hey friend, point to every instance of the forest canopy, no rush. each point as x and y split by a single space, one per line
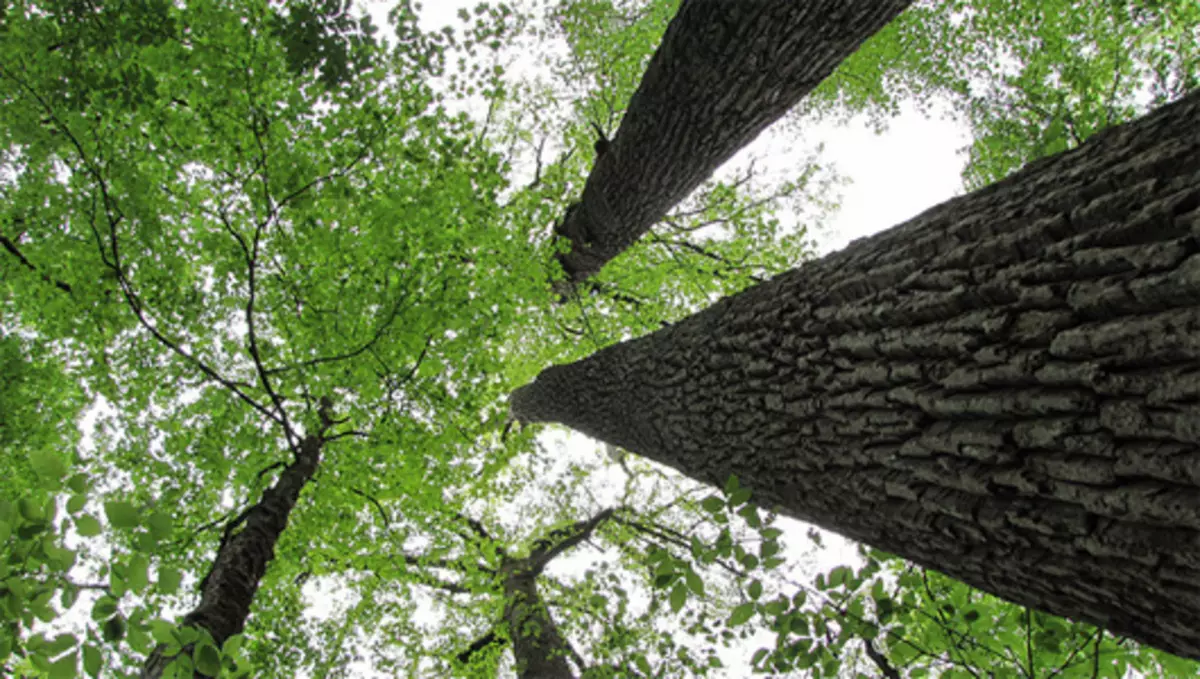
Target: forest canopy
270 271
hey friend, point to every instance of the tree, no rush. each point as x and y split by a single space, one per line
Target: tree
220 240
762 56
169 239
998 389
219 214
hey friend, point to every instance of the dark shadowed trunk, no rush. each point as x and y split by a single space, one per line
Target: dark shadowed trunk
539 651
723 73
247 547
1005 388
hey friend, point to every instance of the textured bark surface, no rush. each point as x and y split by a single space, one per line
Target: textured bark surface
723 73
1005 388
228 590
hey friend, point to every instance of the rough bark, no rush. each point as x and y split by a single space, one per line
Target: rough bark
227 592
1005 388
723 73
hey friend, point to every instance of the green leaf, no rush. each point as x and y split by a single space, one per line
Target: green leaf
162 631
694 582
113 629
93 660
755 589
768 549
643 664
121 514
739 497
741 614
61 643
78 484
87 526
137 574
208 659
66 667
233 645
679 595
168 580
731 484
712 504
138 637
161 525
76 503
49 465
104 608
70 594
838 576
29 510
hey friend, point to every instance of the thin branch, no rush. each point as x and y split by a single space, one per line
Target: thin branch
1028 642
387 519
353 353
1067 662
16 252
114 217
881 662
562 539
478 645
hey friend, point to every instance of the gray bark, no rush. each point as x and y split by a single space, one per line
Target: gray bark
723 73
227 592
1005 388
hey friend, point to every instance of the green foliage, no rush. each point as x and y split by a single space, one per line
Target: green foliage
888 614
217 214
1030 78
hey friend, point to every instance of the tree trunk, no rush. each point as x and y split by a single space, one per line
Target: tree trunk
723 73
228 590
538 648
1005 388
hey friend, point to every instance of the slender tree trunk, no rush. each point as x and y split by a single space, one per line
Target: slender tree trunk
1005 388
538 648
228 590
540 651
723 73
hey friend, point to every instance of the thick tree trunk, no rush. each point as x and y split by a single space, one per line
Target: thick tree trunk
228 590
724 72
1005 388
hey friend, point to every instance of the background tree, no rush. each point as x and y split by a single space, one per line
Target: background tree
1030 79
215 238
763 56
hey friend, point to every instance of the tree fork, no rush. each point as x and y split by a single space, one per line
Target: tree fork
1005 388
